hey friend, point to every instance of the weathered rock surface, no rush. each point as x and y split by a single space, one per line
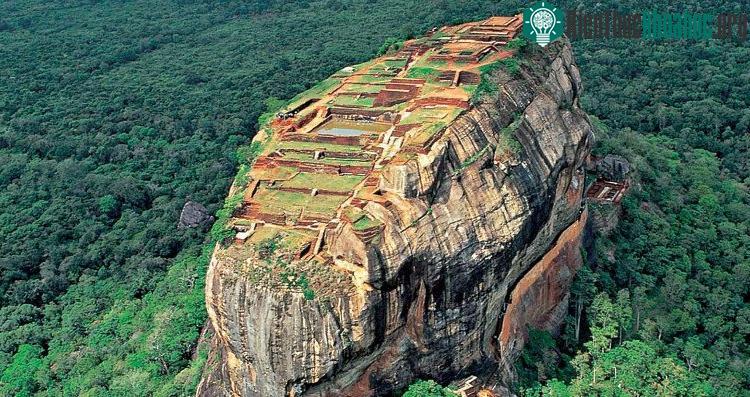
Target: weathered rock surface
613 167
540 298
193 215
463 231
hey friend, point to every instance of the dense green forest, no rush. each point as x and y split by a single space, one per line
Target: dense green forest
113 114
666 292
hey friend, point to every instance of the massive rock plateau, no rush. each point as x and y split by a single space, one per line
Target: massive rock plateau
479 241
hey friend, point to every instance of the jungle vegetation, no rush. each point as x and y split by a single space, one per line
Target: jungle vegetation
114 113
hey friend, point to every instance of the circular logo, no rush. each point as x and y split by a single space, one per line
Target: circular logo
543 23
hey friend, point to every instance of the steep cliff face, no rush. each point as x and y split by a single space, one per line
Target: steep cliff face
479 238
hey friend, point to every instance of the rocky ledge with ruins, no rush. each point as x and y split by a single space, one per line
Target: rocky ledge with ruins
409 217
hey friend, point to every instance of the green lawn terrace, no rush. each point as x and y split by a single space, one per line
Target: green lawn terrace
301 179
322 155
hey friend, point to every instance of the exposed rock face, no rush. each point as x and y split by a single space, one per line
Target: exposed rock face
194 214
540 298
466 226
613 167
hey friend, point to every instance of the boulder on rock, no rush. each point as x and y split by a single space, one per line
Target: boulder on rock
613 168
193 215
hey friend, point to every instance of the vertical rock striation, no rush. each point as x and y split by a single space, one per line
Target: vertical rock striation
481 239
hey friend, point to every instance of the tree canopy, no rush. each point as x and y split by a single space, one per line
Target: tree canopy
113 114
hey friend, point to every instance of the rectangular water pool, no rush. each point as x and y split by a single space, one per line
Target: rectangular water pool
350 128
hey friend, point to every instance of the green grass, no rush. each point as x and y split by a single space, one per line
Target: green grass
363 88
427 132
324 204
278 202
511 65
263 234
425 61
470 89
326 160
517 43
241 222
329 147
431 115
381 67
315 91
273 105
395 63
509 140
338 183
438 34
420 72
367 127
469 161
365 222
347 100
485 85
368 78
275 173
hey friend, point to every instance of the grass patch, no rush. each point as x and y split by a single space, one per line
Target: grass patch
509 141
338 183
473 158
365 222
426 133
371 78
268 240
439 34
279 202
326 160
423 72
324 205
275 173
363 88
486 86
395 63
315 91
328 147
348 100
437 63
263 233
364 126
519 43
431 115
511 65
272 106
220 232
470 89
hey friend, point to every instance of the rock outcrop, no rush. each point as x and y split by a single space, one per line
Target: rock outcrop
193 215
613 167
480 239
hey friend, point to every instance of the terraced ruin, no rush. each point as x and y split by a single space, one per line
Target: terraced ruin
323 155
405 218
